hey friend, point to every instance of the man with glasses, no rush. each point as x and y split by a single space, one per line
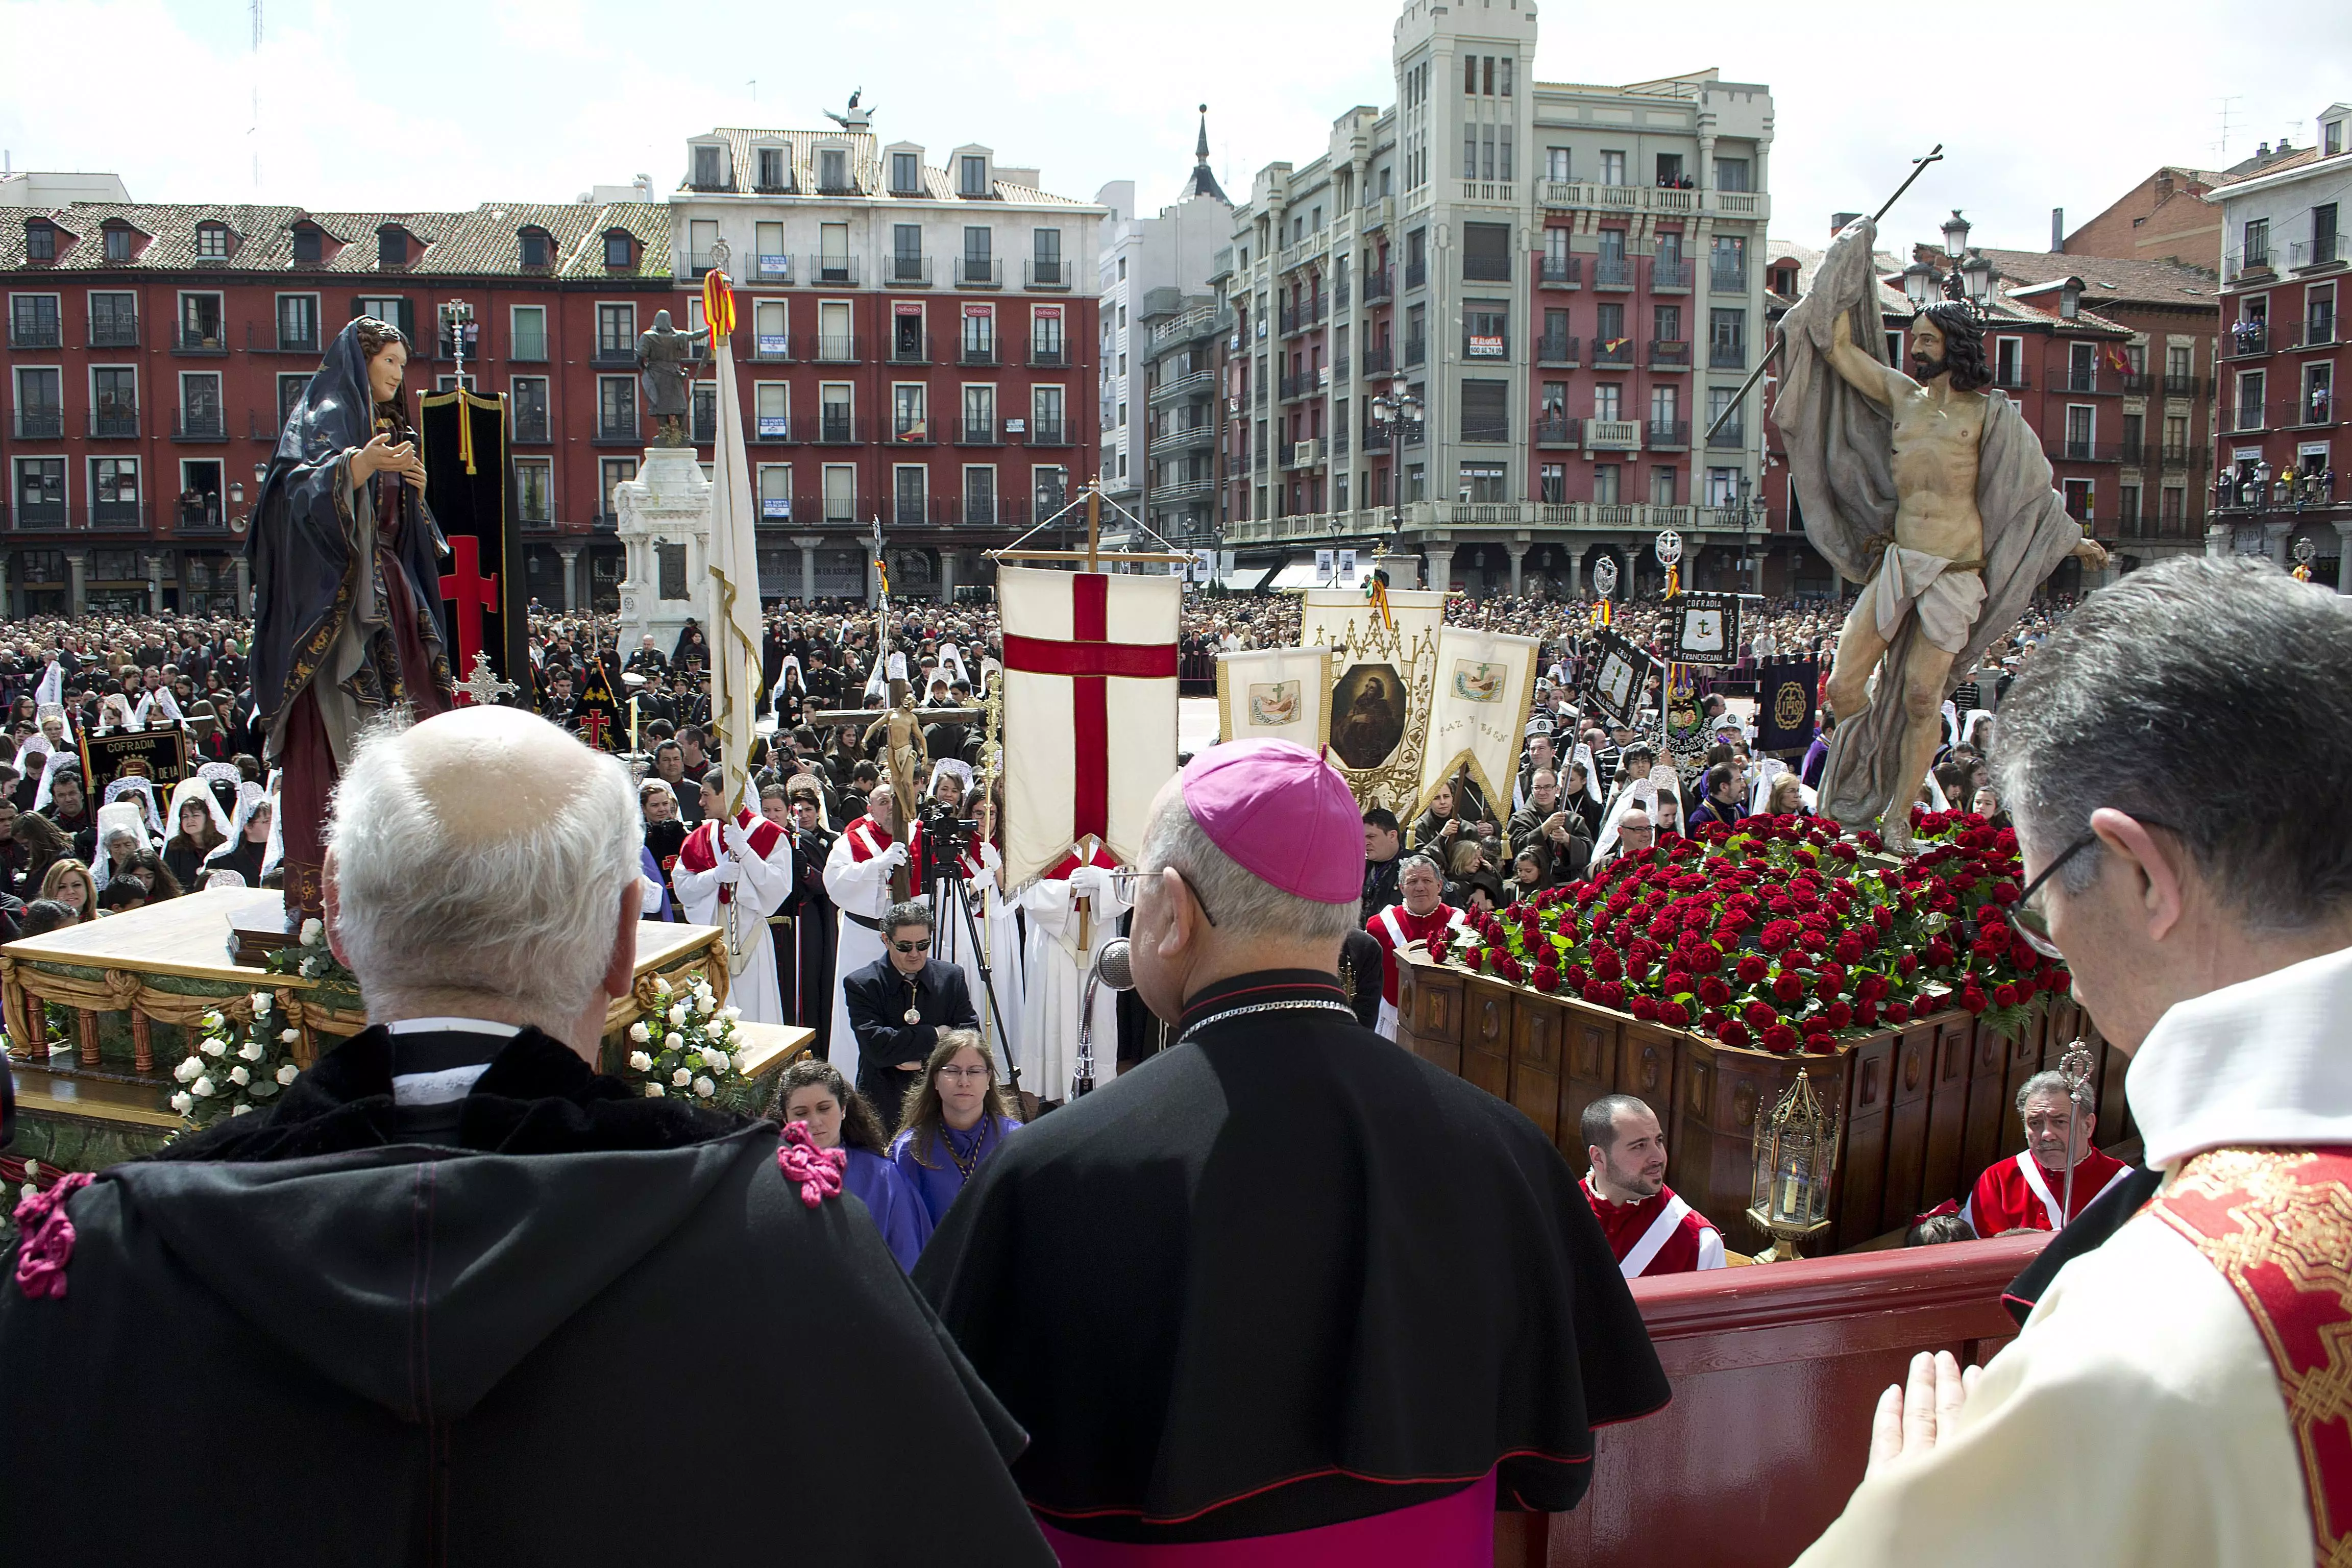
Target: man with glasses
2178 1396
900 1005
1282 1279
2029 1192
1420 916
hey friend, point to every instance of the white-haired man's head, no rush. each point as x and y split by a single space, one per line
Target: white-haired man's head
485 864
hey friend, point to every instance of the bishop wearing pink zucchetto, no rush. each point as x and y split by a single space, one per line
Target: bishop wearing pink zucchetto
1284 1293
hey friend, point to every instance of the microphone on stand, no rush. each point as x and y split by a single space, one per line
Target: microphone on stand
1110 968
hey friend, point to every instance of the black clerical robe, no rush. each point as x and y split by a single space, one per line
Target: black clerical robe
878 999
434 1319
1285 1275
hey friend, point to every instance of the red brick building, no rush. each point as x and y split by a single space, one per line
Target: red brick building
151 349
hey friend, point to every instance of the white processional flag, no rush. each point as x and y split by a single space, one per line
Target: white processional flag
735 627
1089 709
1485 682
1276 694
1328 617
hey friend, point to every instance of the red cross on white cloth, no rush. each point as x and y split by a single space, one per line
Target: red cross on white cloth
1090 718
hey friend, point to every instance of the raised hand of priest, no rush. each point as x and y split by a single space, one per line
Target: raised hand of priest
1913 1419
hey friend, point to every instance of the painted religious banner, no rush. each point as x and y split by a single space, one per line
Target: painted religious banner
1276 694
1621 675
1705 629
1485 682
1342 618
1089 709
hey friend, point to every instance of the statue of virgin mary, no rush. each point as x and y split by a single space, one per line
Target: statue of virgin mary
346 586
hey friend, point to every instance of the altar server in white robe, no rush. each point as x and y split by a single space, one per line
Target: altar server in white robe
1058 962
857 881
744 866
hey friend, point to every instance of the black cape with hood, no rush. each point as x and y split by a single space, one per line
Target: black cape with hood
301 543
1284 1276
604 1331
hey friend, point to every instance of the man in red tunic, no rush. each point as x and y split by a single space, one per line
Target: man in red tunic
1423 915
1650 1229
2026 1193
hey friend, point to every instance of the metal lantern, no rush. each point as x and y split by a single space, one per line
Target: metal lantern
1795 1158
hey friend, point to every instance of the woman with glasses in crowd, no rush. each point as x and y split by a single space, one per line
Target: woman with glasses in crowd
837 1116
956 1117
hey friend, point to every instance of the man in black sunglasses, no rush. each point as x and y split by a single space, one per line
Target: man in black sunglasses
2177 1394
901 1004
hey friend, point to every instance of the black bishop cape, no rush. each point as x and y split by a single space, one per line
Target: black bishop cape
1283 1275
565 1329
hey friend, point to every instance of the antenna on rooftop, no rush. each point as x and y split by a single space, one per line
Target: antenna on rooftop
2224 109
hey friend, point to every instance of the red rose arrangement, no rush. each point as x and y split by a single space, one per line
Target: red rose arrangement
1779 933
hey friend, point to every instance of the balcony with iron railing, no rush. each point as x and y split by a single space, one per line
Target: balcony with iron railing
2253 262
1377 436
1670 275
610 355
39 423
1416 351
1192 383
912 348
838 429
114 422
39 517
27 333
618 432
1051 274
833 271
530 428
115 333
1732 437
1050 356
1342 294
906 430
2315 331
2320 250
1726 279
2244 339
1617 352
1669 435
2076 378
1670 354
1416 274
2153 522
771 270
978 433
1052 433
2183 385
1379 284
972 353
2071 449
2138 383
1378 360
1615 273
772 348
1726 353
201 341
900 271
826 349
199 424
117 516
1554 348
1560 271
979 272
1558 430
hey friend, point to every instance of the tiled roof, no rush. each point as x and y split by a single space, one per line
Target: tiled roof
2004 308
2106 278
483 243
2260 168
864 167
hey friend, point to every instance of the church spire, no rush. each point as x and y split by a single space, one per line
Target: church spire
1204 182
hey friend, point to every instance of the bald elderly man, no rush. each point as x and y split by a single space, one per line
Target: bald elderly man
435 1277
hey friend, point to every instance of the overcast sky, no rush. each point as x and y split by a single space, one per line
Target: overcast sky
432 103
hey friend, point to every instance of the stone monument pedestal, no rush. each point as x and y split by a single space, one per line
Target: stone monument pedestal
1404 571
665 516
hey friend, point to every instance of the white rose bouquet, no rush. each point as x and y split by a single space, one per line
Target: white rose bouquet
687 1048
310 958
233 1071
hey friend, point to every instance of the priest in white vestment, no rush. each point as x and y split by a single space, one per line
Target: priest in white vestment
733 875
857 881
2178 1397
1061 948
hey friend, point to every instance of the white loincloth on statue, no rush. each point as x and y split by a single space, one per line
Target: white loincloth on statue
1944 594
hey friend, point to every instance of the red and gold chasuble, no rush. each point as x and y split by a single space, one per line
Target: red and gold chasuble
2277 1223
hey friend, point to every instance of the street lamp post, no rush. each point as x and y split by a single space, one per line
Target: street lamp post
1396 408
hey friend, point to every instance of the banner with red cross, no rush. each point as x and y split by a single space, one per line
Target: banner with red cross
1089 709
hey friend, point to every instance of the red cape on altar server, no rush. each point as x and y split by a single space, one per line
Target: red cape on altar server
1663 1234
2019 1195
700 851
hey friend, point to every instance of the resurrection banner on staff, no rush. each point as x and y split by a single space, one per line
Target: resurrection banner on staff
1276 694
469 485
1486 683
1089 709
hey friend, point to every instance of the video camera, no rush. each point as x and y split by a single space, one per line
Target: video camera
947 839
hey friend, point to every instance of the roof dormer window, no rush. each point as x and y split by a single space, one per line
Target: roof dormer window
2070 299
709 167
538 250
775 170
211 242
972 176
833 172
310 245
40 241
392 245
907 172
121 242
620 249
